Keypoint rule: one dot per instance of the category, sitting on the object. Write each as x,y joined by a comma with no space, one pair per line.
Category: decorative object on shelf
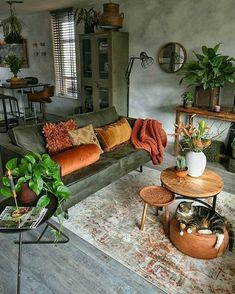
172,57
146,61
196,140
233,148
181,170
111,19
90,18
15,65
187,98
210,71
12,26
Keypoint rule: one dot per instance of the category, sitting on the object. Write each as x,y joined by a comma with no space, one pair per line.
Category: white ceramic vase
196,163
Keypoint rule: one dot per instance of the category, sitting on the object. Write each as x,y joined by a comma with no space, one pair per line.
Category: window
64,52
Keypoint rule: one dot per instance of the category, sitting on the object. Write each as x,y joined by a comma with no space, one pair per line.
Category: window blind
63,33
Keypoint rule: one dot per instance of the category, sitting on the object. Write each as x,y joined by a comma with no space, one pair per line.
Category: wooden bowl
196,245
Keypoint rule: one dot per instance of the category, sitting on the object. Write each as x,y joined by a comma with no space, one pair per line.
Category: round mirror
172,57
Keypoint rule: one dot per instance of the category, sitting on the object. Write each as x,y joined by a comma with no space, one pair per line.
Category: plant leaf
43,201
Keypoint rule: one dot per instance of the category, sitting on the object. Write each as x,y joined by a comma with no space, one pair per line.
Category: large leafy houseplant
90,18
210,70
41,174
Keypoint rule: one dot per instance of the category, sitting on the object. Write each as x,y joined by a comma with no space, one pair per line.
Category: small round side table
159,197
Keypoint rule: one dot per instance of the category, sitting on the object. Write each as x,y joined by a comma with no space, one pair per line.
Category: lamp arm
129,67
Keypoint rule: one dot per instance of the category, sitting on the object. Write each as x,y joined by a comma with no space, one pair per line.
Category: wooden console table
222,115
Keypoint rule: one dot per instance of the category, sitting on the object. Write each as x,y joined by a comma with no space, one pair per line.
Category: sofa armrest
9,151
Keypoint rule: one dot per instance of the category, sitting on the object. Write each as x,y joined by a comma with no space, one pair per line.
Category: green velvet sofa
82,183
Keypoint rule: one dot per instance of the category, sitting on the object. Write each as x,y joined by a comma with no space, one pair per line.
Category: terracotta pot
111,17
26,195
195,244
181,173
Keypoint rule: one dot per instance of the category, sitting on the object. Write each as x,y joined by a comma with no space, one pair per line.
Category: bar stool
16,114
159,197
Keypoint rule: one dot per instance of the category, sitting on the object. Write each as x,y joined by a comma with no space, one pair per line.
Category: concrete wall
151,24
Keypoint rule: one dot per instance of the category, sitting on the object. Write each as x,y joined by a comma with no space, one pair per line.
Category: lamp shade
146,60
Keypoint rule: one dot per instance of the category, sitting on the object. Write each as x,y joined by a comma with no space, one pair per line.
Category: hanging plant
12,28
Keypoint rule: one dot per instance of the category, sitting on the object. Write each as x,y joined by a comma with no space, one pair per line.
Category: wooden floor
76,267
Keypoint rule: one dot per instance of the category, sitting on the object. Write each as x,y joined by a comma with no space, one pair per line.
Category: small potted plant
89,17
233,148
187,98
181,169
38,174
15,63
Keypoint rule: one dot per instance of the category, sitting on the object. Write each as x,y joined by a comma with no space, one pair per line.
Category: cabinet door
86,58
103,58
88,99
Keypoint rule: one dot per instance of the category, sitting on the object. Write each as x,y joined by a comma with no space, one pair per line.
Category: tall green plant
210,70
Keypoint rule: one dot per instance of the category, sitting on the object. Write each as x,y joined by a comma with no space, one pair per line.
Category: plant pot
89,29
181,173
214,98
26,195
111,18
17,81
196,163
188,104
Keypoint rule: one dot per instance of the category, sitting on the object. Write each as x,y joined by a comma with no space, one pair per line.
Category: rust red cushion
77,158
57,137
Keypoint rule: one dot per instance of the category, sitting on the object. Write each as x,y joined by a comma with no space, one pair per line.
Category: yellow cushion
76,158
112,135
85,135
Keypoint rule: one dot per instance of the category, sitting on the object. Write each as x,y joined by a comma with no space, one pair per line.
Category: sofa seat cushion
76,158
128,156
112,135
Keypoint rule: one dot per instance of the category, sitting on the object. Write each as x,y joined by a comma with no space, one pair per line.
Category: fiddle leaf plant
41,174
210,70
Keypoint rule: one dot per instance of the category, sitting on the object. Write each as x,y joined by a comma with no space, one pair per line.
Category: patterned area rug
109,220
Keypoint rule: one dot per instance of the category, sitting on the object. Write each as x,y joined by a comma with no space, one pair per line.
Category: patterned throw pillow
85,135
57,137
115,134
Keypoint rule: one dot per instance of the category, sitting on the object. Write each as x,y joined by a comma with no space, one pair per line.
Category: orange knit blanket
148,134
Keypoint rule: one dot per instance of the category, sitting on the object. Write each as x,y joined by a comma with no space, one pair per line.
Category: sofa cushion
85,135
76,158
112,135
57,137
28,137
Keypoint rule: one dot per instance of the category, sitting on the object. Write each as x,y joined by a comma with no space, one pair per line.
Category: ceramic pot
214,98
188,104
196,163
111,18
181,173
26,195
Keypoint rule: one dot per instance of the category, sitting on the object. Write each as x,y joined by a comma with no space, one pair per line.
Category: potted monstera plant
210,70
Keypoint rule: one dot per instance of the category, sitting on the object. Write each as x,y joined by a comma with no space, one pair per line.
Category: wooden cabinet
103,62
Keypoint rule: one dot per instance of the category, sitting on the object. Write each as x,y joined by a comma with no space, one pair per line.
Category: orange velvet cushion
76,158
56,135
112,135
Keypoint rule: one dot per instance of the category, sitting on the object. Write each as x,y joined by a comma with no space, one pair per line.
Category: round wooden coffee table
208,185
159,197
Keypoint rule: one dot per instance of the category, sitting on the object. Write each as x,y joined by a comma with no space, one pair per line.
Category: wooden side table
159,197
208,185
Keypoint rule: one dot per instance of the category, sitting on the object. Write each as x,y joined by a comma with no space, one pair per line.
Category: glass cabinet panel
103,58
88,98
86,52
103,97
